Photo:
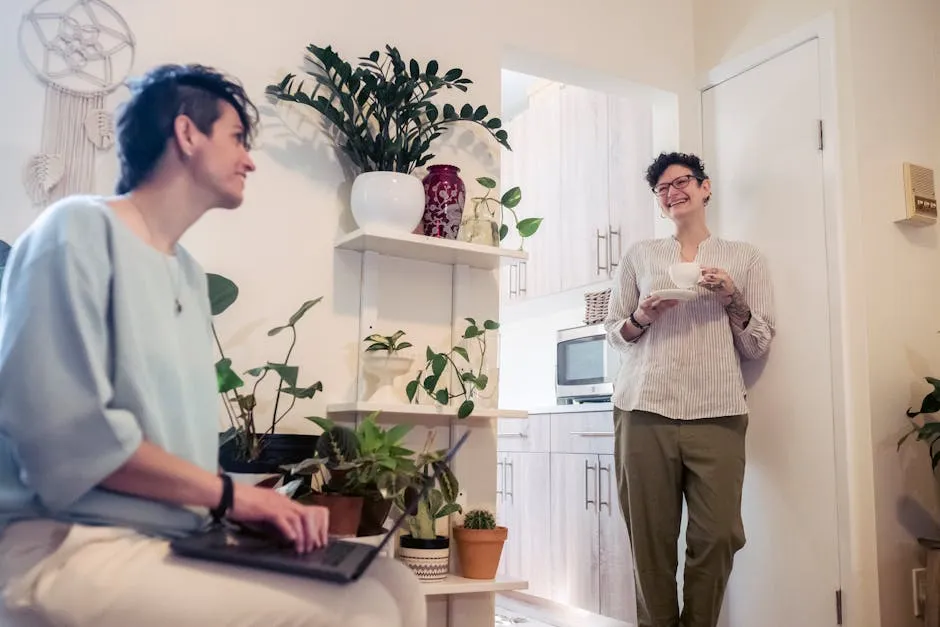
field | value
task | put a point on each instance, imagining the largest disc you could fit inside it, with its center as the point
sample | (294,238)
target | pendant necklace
(175,285)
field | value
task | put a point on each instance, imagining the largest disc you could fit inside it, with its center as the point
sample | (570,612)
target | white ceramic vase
(388,201)
(386,368)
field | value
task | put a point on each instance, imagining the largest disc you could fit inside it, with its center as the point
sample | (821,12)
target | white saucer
(675,294)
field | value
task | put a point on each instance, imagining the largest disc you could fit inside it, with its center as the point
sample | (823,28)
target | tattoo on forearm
(738,310)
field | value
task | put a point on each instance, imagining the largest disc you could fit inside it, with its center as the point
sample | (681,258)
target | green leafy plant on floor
(386,343)
(928,431)
(240,406)
(383,109)
(526,227)
(432,377)
(440,500)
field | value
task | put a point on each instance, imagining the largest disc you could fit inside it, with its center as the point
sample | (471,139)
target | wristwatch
(636,323)
(227,500)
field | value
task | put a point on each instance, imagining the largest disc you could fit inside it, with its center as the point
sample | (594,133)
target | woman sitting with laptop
(108,429)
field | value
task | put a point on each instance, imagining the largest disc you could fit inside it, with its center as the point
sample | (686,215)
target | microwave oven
(586,365)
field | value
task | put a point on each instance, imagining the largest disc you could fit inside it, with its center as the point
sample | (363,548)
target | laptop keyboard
(332,555)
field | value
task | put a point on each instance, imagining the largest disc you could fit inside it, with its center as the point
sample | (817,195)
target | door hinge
(838,607)
(822,142)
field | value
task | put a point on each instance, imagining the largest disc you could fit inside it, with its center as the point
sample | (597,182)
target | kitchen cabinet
(557,493)
(523,503)
(539,176)
(579,156)
(592,569)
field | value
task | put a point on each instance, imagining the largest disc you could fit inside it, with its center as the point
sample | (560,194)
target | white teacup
(685,275)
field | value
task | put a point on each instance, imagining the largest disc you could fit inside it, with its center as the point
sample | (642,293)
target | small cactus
(479,519)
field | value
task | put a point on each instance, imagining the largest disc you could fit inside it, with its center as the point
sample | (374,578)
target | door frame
(850,484)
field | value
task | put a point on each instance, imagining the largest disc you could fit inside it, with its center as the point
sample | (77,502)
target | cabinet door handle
(499,481)
(613,258)
(601,236)
(602,503)
(510,489)
(523,279)
(593,434)
(512,291)
(587,490)
(521,434)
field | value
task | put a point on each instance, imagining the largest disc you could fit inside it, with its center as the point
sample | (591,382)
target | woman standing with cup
(684,311)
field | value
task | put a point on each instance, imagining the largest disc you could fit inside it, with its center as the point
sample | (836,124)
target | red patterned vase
(444,196)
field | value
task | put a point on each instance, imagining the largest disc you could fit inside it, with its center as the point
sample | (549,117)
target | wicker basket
(595,306)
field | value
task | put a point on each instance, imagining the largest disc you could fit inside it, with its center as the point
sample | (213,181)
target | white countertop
(569,409)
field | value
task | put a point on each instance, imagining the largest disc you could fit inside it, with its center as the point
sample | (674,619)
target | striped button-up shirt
(686,365)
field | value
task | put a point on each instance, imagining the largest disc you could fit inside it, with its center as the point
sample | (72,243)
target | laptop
(340,561)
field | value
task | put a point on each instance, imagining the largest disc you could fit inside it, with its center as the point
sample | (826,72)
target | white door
(761,149)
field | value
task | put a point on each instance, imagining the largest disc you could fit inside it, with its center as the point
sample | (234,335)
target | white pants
(55,575)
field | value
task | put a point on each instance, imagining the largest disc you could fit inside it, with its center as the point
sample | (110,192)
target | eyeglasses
(680,182)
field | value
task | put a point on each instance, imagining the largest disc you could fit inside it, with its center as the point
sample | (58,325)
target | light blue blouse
(94,358)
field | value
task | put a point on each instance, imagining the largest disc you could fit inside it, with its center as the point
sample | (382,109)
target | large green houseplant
(248,445)
(384,115)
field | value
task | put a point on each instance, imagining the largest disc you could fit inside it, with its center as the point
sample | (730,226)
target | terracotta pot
(480,550)
(374,513)
(345,512)
(429,559)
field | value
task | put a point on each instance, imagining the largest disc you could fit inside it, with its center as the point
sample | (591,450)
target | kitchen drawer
(583,432)
(524,435)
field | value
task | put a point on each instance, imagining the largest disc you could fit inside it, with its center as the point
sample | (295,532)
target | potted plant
(367,463)
(384,116)
(336,452)
(425,551)
(470,380)
(480,544)
(247,447)
(482,225)
(384,361)
(928,430)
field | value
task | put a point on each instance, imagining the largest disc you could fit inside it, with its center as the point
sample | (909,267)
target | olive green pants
(660,462)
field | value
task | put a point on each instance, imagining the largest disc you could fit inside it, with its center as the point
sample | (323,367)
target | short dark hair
(145,122)
(664,160)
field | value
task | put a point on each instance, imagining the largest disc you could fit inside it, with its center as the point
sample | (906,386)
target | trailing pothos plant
(526,227)
(384,107)
(241,406)
(929,430)
(469,380)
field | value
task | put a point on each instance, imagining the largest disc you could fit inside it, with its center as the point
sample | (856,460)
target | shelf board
(455,584)
(423,248)
(447,413)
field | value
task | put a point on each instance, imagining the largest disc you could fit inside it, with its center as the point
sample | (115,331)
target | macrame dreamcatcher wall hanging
(81,50)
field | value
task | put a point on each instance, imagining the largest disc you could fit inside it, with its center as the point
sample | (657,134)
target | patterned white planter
(429,559)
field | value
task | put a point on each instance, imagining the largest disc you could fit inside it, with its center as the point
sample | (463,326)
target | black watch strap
(637,324)
(227,500)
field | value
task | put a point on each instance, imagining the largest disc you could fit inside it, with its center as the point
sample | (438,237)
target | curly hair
(145,122)
(664,160)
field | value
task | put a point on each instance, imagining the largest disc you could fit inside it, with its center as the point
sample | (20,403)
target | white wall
(278,246)
(887,58)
